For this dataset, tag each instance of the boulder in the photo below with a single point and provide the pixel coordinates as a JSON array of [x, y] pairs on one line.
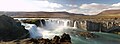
[[11, 30], [56, 40], [64, 39]]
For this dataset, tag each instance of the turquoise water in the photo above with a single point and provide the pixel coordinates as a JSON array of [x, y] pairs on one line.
[[104, 38], [60, 26]]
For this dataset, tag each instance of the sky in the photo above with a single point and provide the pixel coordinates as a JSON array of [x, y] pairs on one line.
[[87, 7]]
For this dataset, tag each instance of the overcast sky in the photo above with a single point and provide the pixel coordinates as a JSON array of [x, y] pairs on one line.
[[88, 7]]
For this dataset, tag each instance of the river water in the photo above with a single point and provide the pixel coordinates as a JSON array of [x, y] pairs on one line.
[[59, 26]]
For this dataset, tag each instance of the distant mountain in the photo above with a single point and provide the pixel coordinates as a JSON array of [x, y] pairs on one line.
[[110, 13], [41, 14]]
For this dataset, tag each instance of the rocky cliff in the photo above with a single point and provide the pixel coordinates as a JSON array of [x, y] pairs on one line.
[[10, 30]]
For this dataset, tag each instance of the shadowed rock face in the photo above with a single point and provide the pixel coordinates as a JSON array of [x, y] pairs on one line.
[[65, 38], [113, 29], [37, 22], [10, 30]]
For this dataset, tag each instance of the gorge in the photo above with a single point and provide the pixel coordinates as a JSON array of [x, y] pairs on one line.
[[59, 27], [49, 27]]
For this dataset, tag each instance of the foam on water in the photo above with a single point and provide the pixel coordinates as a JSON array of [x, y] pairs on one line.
[[34, 32], [53, 27], [59, 26]]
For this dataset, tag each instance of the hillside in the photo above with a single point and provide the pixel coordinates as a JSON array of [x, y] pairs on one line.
[[110, 13], [41, 14], [105, 14]]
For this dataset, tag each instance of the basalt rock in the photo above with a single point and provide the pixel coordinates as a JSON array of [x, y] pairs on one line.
[[56, 40], [113, 29], [37, 22], [43, 22], [88, 35], [11, 30], [30, 21], [64, 39]]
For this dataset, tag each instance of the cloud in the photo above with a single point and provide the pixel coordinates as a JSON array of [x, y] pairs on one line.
[[84, 11], [74, 11], [115, 6], [94, 8], [71, 5], [28, 5], [8, 5], [47, 4]]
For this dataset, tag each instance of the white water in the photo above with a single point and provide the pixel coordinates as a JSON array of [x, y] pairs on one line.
[[75, 24], [53, 27], [34, 32], [59, 26]]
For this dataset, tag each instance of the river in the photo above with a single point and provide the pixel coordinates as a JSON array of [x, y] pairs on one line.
[[54, 27]]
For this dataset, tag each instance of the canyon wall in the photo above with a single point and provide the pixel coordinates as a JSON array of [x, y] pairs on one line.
[[88, 25]]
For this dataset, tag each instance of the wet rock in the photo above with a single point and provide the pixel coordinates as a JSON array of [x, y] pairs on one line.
[[37, 22], [64, 39], [30, 21], [56, 40], [114, 29], [88, 35], [93, 26], [43, 22]]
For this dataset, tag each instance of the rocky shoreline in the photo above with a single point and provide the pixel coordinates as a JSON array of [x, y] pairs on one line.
[[12, 32], [64, 39]]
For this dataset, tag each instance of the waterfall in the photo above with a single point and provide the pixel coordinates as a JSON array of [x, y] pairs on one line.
[[56, 23], [75, 24], [41, 24], [34, 32], [49, 28], [54, 27]]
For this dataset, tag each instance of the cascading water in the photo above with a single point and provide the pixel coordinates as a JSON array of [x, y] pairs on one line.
[[34, 32], [75, 26], [54, 27], [51, 28]]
